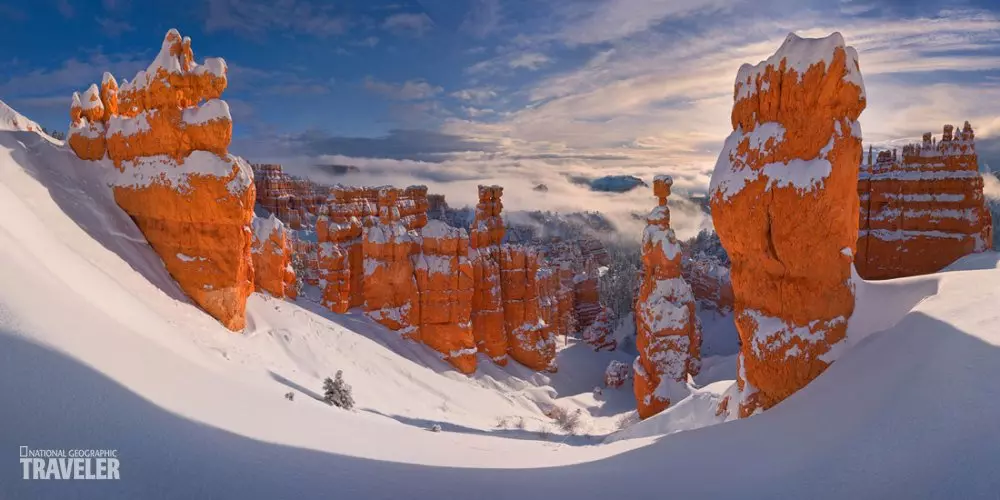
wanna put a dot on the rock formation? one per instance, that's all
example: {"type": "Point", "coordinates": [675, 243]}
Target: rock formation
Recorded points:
{"type": "Point", "coordinates": [710, 283]}
{"type": "Point", "coordinates": [529, 307]}
{"type": "Point", "coordinates": [390, 286]}
{"type": "Point", "coordinates": [487, 305]}
{"type": "Point", "coordinates": [445, 285]}
{"type": "Point", "coordinates": [783, 199]}
{"type": "Point", "coordinates": [616, 374]}
{"type": "Point", "coordinates": [167, 134]}
{"type": "Point", "coordinates": [599, 334]}
{"type": "Point", "coordinates": [272, 258]}
{"type": "Point", "coordinates": [668, 336]}
{"type": "Point", "coordinates": [923, 211]}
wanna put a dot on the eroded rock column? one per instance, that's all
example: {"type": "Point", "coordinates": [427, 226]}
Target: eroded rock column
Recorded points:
{"type": "Point", "coordinates": [487, 307]}
{"type": "Point", "coordinates": [785, 205]}
{"type": "Point", "coordinates": [444, 280]}
{"type": "Point", "coordinates": [668, 336]}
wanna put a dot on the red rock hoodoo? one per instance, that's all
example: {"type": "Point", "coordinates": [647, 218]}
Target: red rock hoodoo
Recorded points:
{"type": "Point", "coordinates": [390, 286]}
{"type": "Point", "coordinates": [668, 335]}
{"type": "Point", "coordinates": [445, 284]}
{"type": "Point", "coordinates": [923, 211]}
{"type": "Point", "coordinates": [167, 134]}
{"type": "Point", "coordinates": [487, 303]}
{"type": "Point", "coordinates": [784, 198]}
{"type": "Point", "coordinates": [530, 306]}
{"type": "Point", "coordinates": [710, 283]}
{"type": "Point", "coordinates": [272, 258]}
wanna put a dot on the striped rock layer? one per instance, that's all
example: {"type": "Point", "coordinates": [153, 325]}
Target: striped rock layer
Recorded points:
{"type": "Point", "coordinates": [783, 198]}
{"type": "Point", "coordinates": [924, 210]}
{"type": "Point", "coordinates": [167, 134]}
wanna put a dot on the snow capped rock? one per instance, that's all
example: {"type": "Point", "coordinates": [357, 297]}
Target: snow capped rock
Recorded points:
{"type": "Point", "coordinates": [924, 209]}
{"type": "Point", "coordinates": [174, 174]}
{"type": "Point", "coordinates": [778, 194]}
{"type": "Point", "coordinates": [668, 335]}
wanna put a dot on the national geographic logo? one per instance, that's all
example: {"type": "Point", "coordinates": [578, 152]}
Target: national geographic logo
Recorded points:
{"type": "Point", "coordinates": [69, 464]}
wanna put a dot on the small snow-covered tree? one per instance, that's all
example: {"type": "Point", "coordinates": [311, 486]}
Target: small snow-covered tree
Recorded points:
{"type": "Point", "coordinates": [336, 392]}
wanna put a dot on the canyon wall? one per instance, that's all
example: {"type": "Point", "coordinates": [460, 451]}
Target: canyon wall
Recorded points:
{"type": "Point", "coordinates": [784, 201]}
{"type": "Point", "coordinates": [167, 135]}
{"type": "Point", "coordinates": [668, 336]}
{"type": "Point", "coordinates": [923, 210]}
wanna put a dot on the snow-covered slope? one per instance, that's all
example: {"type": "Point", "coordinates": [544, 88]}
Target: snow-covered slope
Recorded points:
{"type": "Point", "coordinates": [12, 120]}
{"type": "Point", "coordinates": [99, 349]}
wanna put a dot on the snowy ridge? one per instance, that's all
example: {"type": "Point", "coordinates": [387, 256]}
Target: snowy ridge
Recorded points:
{"type": "Point", "coordinates": [12, 120]}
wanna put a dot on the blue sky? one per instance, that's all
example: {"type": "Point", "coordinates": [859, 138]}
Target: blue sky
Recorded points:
{"type": "Point", "coordinates": [452, 93]}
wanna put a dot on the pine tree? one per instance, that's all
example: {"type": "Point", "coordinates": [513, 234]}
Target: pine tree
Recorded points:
{"type": "Point", "coordinates": [336, 392]}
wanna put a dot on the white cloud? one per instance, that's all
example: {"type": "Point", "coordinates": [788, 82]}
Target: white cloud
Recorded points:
{"type": "Point", "coordinates": [477, 95]}
{"type": "Point", "coordinates": [408, 24]}
{"type": "Point", "coordinates": [409, 90]}
{"type": "Point", "coordinates": [614, 19]}
{"type": "Point", "coordinates": [528, 60]}
{"type": "Point", "coordinates": [665, 98]}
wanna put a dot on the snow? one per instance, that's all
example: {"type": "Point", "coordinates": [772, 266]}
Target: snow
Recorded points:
{"type": "Point", "coordinates": [666, 307]}
{"type": "Point", "coordinates": [264, 227]}
{"type": "Point", "coordinates": [99, 348]}
{"type": "Point", "coordinates": [899, 234]}
{"type": "Point", "coordinates": [188, 258]}
{"type": "Point", "coordinates": [91, 98]}
{"type": "Point", "coordinates": [213, 109]}
{"type": "Point", "coordinates": [13, 121]}
{"type": "Point", "coordinates": [162, 169]}
{"type": "Point", "coordinates": [435, 264]}
{"type": "Point", "coordinates": [732, 173]}
{"type": "Point", "coordinates": [118, 124]}
{"type": "Point", "coordinates": [774, 333]}
{"type": "Point", "coordinates": [170, 63]}
{"type": "Point", "coordinates": [665, 238]}
{"type": "Point", "coordinates": [799, 55]}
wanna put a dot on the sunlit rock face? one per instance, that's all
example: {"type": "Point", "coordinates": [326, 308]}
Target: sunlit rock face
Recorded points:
{"type": "Point", "coordinates": [167, 133]}
{"type": "Point", "coordinates": [485, 237]}
{"type": "Point", "coordinates": [530, 306]}
{"type": "Point", "coordinates": [668, 336]}
{"type": "Point", "coordinates": [272, 258]}
{"type": "Point", "coordinates": [923, 210]}
{"type": "Point", "coordinates": [784, 198]}
{"type": "Point", "coordinates": [445, 285]}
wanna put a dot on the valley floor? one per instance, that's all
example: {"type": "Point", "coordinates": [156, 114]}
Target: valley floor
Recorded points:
{"type": "Point", "coordinates": [99, 349]}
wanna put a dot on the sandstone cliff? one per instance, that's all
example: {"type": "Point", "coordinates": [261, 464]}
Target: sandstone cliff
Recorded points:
{"type": "Point", "coordinates": [924, 210]}
{"type": "Point", "coordinates": [783, 199]}
{"type": "Point", "coordinates": [167, 133]}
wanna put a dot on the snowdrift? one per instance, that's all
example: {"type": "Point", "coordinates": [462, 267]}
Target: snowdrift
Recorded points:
{"type": "Point", "coordinates": [99, 348]}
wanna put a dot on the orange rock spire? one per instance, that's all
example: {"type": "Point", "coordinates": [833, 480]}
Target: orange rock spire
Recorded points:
{"type": "Point", "coordinates": [668, 335]}
{"type": "Point", "coordinates": [784, 202]}
{"type": "Point", "coordinates": [923, 211]}
{"type": "Point", "coordinates": [167, 134]}
{"type": "Point", "coordinates": [487, 303]}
